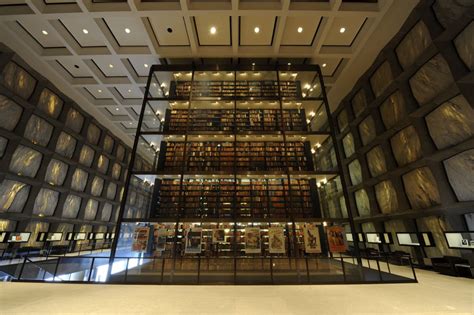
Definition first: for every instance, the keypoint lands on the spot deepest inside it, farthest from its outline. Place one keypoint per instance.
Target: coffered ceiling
(98, 52)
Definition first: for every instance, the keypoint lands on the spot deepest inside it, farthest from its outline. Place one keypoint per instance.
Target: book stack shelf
(235, 153)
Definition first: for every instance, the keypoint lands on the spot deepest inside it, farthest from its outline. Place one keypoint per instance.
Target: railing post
(343, 269)
(412, 268)
(90, 270)
(378, 267)
(22, 267)
(56, 268)
(126, 270)
(307, 269)
(162, 269)
(199, 269)
(271, 268)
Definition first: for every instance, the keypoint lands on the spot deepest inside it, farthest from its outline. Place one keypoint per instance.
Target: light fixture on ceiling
(300, 29)
(99, 90)
(289, 63)
(111, 65)
(129, 91)
(253, 63)
(44, 32)
(256, 30)
(127, 30)
(342, 30)
(85, 31)
(213, 30)
(116, 108)
(324, 65)
(145, 65)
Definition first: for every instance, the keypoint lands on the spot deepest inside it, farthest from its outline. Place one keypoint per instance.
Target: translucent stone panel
(111, 191)
(79, 180)
(75, 120)
(87, 156)
(38, 131)
(456, 117)
(367, 130)
(102, 164)
(7, 225)
(50, 103)
(120, 153)
(91, 209)
(343, 206)
(97, 186)
(106, 212)
(46, 202)
(71, 207)
(35, 228)
(13, 196)
(449, 11)
(431, 79)
(11, 113)
(393, 110)
(66, 145)
(348, 145)
(359, 102)
(381, 78)
(355, 172)
(394, 226)
(25, 161)
(93, 134)
(56, 172)
(376, 161)
(116, 170)
(413, 45)
(3, 146)
(437, 226)
(362, 202)
(343, 120)
(386, 196)
(460, 170)
(108, 144)
(465, 46)
(406, 146)
(64, 228)
(132, 198)
(421, 188)
(18, 80)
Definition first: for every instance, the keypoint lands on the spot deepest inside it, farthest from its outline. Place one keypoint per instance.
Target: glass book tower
(234, 178)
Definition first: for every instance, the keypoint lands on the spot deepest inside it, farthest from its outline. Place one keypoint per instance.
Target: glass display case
(460, 240)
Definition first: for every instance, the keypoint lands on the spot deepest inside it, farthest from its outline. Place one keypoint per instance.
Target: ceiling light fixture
(145, 65)
(324, 65)
(44, 32)
(111, 65)
(116, 108)
(85, 31)
(100, 91)
(289, 63)
(300, 29)
(213, 30)
(129, 91)
(127, 30)
(342, 30)
(256, 30)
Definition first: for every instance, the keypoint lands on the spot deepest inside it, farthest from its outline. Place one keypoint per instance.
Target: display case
(18, 237)
(54, 237)
(460, 240)
(415, 239)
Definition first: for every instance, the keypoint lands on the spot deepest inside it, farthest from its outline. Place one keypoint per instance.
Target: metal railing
(215, 270)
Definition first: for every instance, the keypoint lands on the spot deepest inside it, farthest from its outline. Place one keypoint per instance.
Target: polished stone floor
(434, 294)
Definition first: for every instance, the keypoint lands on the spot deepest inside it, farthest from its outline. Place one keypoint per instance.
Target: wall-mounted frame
(41, 237)
(427, 239)
(90, 236)
(361, 237)
(79, 236)
(3, 237)
(408, 239)
(460, 239)
(54, 237)
(99, 236)
(349, 237)
(69, 236)
(387, 238)
(18, 237)
(373, 238)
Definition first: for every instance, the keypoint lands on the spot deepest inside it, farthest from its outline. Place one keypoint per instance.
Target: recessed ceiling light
(256, 29)
(44, 32)
(100, 91)
(253, 63)
(111, 65)
(85, 31)
(324, 65)
(129, 123)
(116, 108)
(127, 30)
(129, 91)
(300, 29)
(342, 30)
(145, 65)
(289, 63)
(213, 30)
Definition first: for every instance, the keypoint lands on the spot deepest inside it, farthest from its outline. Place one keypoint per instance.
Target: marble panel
(367, 130)
(359, 102)
(13, 196)
(64, 228)
(50, 103)
(406, 146)
(348, 145)
(460, 171)
(93, 134)
(332, 209)
(46, 202)
(91, 209)
(97, 186)
(3, 146)
(381, 78)
(86, 156)
(56, 172)
(7, 225)
(17, 80)
(11, 113)
(421, 188)
(394, 226)
(35, 228)
(431, 79)
(465, 46)
(132, 198)
(437, 226)
(451, 123)
(415, 42)
(25, 161)
(469, 221)
(449, 11)
(355, 172)
(120, 153)
(111, 191)
(386, 196)
(343, 120)
(362, 202)
(106, 212)
(66, 145)
(116, 171)
(393, 110)
(376, 161)
(74, 120)
(71, 207)
(79, 180)
(343, 206)
(102, 164)
(38, 131)
(108, 144)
